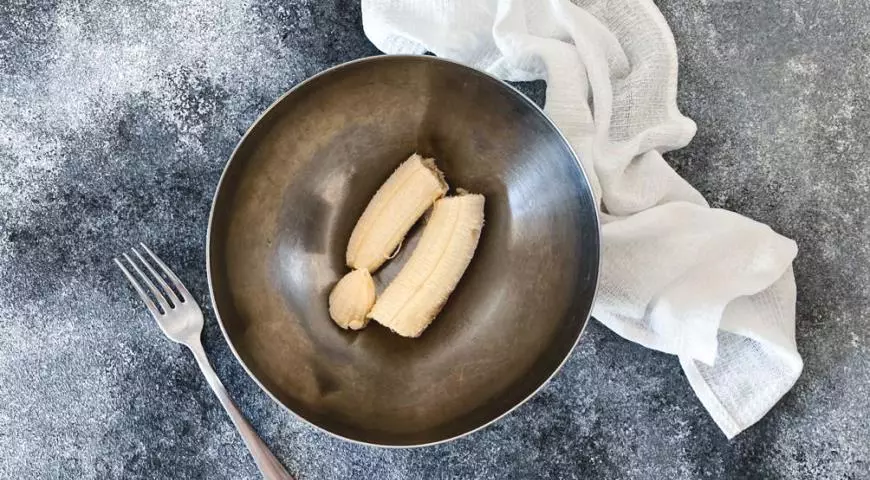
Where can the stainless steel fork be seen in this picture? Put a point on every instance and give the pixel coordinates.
(181, 320)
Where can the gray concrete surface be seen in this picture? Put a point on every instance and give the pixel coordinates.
(116, 119)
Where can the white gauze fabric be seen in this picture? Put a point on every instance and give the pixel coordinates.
(708, 285)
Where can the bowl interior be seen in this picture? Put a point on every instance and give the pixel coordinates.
(296, 186)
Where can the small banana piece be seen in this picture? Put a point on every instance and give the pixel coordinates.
(351, 299)
(413, 299)
(394, 209)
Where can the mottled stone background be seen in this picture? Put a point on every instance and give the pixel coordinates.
(116, 118)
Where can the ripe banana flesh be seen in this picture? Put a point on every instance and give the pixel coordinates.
(413, 299)
(351, 299)
(394, 209)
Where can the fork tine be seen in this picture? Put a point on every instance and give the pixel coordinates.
(168, 291)
(144, 296)
(185, 295)
(149, 283)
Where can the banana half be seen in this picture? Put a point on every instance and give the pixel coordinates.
(413, 299)
(394, 209)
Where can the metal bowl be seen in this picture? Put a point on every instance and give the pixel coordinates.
(291, 194)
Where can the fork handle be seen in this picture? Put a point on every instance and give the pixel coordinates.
(269, 466)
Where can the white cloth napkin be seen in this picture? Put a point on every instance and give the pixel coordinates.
(708, 285)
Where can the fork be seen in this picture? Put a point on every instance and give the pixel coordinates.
(181, 320)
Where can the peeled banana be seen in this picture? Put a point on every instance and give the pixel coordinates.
(394, 209)
(413, 299)
(351, 299)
